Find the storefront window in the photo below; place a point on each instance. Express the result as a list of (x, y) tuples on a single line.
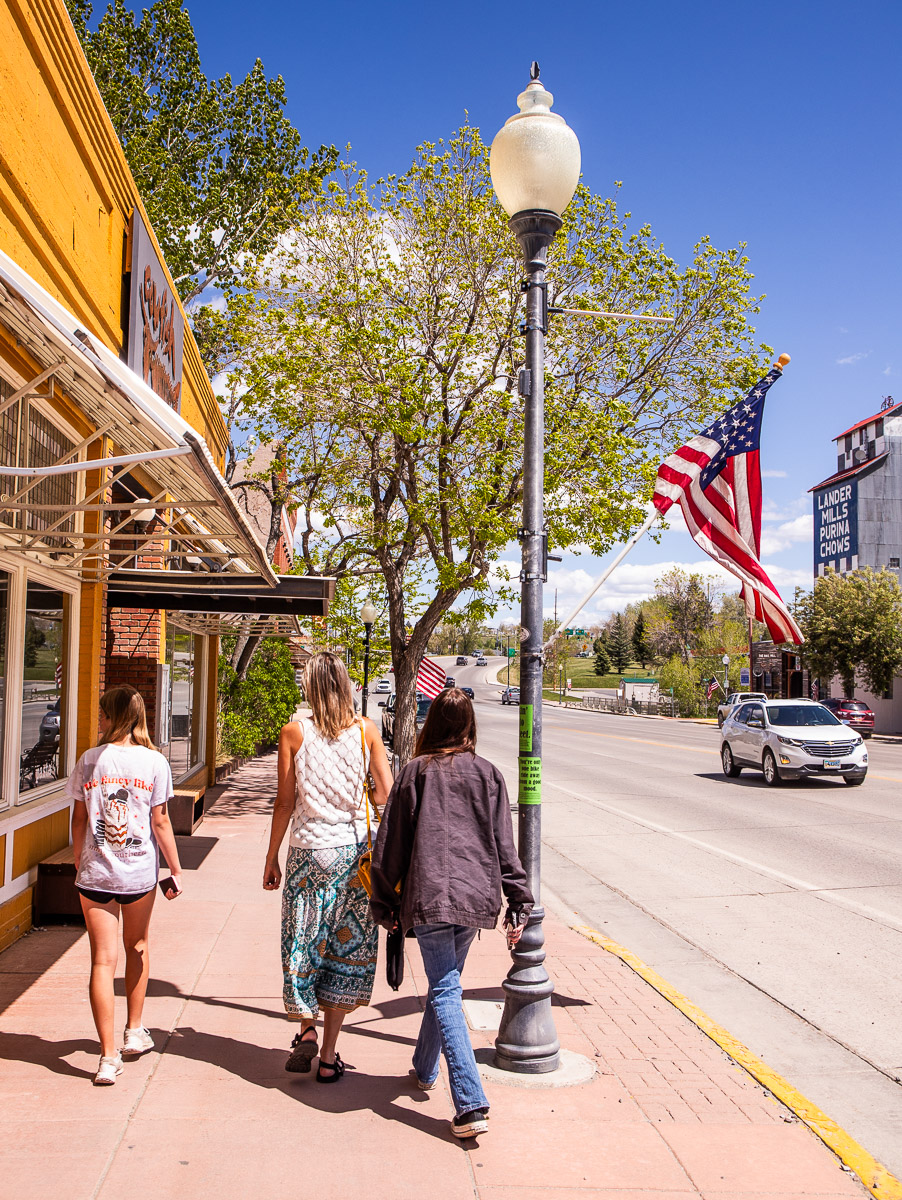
[(42, 751), (4, 617), (180, 659)]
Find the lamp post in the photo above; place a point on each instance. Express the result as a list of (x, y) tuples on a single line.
[(535, 162), (368, 616)]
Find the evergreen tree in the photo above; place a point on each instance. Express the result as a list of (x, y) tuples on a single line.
[(641, 648), (602, 661), (619, 644)]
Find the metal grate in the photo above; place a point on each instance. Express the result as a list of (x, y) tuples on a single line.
[(46, 446), (828, 749)]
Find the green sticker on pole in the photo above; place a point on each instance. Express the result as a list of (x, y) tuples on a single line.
[(530, 781), (525, 728)]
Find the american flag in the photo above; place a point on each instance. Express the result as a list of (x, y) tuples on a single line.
[(816, 690), (716, 480), (712, 688), (430, 678)]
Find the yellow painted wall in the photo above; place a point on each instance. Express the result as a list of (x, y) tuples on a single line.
[(66, 192), (34, 842), (15, 917), (2, 860)]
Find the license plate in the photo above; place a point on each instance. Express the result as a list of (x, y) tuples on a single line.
[(832, 764)]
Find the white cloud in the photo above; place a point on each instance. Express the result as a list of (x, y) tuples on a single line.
[(887, 370), (799, 529), (773, 474), (852, 358)]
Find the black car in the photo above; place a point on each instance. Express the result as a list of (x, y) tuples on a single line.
[(388, 716), (468, 691), (50, 723), (450, 681), (461, 660)]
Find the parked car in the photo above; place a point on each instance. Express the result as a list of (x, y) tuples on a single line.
[(468, 691), (854, 713), (388, 716), (734, 698), (450, 681), (510, 695), (382, 686), (49, 729), (462, 660), (791, 739), (481, 661)]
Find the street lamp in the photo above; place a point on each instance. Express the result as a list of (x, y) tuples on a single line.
[(535, 164), (368, 616)]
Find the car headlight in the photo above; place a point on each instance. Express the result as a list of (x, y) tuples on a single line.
[(789, 741)]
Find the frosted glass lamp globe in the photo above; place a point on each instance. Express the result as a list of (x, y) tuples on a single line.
[(368, 614), (535, 157)]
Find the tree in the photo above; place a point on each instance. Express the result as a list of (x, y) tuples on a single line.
[(640, 644), (618, 644), (681, 680), (852, 625), (219, 166), (602, 660), (381, 348), (245, 723), (683, 607)]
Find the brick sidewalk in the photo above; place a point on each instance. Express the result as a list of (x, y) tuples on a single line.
[(213, 1114)]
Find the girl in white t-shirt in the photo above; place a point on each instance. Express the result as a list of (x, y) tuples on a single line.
[(120, 790)]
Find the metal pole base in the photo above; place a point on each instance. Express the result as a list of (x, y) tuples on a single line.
[(527, 1042)]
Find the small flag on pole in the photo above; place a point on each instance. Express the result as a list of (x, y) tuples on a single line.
[(816, 690), (716, 480), (712, 688), (430, 678)]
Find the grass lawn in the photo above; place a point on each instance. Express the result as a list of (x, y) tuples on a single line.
[(582, 673)]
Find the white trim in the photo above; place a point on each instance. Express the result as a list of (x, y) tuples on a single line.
[(17, 818)]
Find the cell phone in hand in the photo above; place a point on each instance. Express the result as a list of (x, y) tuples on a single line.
[(167, 886)]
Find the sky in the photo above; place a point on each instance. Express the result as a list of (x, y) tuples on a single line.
[(772, 124)]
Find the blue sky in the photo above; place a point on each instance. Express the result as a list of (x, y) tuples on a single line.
[(772, 124)]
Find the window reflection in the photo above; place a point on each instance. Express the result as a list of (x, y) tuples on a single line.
[(42, 750), (4, 613), (180, 657)]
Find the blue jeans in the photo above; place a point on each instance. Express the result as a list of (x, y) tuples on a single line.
[(444, 949)]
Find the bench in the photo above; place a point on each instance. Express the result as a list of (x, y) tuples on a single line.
[(55, 896), (186, 809)]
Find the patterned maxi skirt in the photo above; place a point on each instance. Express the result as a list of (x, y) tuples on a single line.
[(329, 940)]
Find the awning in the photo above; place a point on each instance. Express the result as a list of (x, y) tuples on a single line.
[(195, 517), (289, 596)]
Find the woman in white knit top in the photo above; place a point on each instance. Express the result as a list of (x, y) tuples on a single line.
[(329, 939)]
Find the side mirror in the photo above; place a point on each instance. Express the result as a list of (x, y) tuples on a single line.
[(381, 704), (50, 706)]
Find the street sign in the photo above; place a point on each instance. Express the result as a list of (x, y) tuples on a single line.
[(744, 677), (511, 652)]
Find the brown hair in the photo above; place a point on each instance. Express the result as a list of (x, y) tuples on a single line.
[(450, 726), (123, 706), (327, 686)]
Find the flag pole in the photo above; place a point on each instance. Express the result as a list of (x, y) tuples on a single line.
[(640, 533)]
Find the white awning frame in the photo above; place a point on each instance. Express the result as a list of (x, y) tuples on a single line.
[(143, 429)]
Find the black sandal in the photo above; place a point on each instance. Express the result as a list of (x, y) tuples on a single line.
[(303, 1051), (337, 1068)]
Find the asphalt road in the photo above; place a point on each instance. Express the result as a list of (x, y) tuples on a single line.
[(778, 911)]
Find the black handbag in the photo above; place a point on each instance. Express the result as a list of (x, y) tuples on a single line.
[(394, 958)]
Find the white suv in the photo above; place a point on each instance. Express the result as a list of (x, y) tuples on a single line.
[(791, 739)]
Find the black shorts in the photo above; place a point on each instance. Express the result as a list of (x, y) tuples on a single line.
[(107, 897)]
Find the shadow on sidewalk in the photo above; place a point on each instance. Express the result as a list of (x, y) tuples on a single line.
[(357, 1091), (42, 1052), (25, 961)]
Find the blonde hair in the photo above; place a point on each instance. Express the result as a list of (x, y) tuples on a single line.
[(327, 686), (123, 707)]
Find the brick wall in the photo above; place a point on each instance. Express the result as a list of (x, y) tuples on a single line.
[(133, 653)]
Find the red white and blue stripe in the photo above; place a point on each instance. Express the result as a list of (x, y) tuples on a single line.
[(716, 480), (430, 678)]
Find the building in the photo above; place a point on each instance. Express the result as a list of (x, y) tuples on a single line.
[(858, 520), (123, 554)]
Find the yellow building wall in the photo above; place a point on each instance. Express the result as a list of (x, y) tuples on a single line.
[(66, 192), (40, 839), (15, 917)]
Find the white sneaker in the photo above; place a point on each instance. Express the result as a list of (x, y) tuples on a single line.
[(137, 1042), (107, 1071)]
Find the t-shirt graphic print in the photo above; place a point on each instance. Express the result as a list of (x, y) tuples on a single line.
[(119, 785)]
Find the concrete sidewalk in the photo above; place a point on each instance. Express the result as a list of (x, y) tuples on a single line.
[(212, 1113)]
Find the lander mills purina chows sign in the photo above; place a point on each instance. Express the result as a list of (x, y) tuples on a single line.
[(156, 327), (836, 525)]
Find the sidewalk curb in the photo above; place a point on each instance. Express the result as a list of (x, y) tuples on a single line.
[(875, 1177)]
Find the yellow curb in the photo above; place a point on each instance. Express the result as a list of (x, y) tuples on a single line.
[(875, 1177)]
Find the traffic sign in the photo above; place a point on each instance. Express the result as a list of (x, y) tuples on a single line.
[(744, 677), (511, 652)]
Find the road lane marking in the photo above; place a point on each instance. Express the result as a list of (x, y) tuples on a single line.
[(823, 891), (879, 1181)]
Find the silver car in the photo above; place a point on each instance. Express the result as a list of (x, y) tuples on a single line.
[(791, 739)]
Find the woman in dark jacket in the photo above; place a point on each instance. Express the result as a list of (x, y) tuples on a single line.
[(443, 856)]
